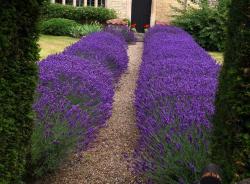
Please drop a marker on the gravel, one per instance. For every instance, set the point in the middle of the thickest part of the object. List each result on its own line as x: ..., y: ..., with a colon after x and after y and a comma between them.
x: 107, y: 159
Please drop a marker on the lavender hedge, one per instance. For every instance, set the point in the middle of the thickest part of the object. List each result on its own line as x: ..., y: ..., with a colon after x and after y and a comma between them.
x: 121, y: 31
x: 74, y: 98
x: 104, y: 48
x: 174, y: 104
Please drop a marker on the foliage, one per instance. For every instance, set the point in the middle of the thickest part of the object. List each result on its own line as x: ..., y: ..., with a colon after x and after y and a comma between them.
x: 104, y: 48
x: 231, y: 136
x: 206, y: 24
x: 122, y: 31
x: 174, y: 104
x: 83, y: 30
x: 81, y: 15
x: 66, y: 27
x: 73, y: 99
x: 18, y: 52
x: 58, y: 26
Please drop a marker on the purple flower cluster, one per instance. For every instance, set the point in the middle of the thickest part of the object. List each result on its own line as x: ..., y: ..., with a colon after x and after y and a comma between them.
x: 104, y: 48
x: 75, y: 91
x: 122, y: 31
x: 174, y: 104
x: 74, y: 97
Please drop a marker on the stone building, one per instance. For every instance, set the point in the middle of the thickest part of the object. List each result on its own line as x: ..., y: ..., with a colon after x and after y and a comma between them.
x: 158, y: 10
x: 140, y: 12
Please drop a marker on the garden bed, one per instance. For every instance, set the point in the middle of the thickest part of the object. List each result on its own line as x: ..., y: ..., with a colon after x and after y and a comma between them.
x: 174, y: 104
x: 74, y: 98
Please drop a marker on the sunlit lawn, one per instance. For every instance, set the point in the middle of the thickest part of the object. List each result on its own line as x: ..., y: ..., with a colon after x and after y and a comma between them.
x: 53, y: 44
x: 218, y: 56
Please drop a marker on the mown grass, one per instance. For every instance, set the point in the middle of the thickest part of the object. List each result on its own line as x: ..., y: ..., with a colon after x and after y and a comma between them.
x: 53, y: 44
x: 218, y: 56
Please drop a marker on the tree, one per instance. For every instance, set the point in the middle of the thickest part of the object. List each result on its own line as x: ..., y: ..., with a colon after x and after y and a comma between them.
x: 231, y: 135
x: 18, y: 76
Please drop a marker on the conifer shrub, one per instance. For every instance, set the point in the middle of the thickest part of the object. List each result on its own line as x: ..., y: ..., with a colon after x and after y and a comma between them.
x: 231, y: 135
x: 18, y: 76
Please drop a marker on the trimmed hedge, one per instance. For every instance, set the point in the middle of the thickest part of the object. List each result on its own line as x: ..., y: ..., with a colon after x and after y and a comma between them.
x: 67, y: 27
x: 104, y: 48
x: 18, y: 76
x: 74, y: 98
x: 57, y: 26
x: 121, y: 31
x: 174, y: 104
x: 231, y: 136
x: 79, y: 14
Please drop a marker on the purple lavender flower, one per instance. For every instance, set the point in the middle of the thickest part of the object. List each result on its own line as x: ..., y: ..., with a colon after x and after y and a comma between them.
x: 122, y: 31
x: 75, y: 91
x: 174, y: 104
x: 102, y: 48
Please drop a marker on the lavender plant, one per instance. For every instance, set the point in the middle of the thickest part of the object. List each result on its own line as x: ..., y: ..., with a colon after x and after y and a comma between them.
x: 174, y: 104
x: 73, y: 99
x: 122, y: 31
x: 103, y: 48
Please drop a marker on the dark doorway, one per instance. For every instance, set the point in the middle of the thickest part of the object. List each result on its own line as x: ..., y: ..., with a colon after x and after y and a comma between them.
x: 141, y: 11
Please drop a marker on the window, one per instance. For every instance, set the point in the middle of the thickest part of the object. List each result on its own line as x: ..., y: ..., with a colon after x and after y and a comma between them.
x: 91, y: 2
x: 101, y: 3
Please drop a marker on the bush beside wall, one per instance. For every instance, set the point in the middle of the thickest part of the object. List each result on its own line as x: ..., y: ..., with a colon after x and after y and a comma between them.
x: 18, y: 76
x: 231, y: 136
x: 206, y: 24
x: 79, y: 14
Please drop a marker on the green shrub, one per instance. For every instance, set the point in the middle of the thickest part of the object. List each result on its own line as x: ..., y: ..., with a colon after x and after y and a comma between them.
x: 206, y: 25
x: 66, y: 27
x: 18, y: 76
x: 81, y: 15
x: 58, y: 26
x: 231, y: 136
x: 83, y: 30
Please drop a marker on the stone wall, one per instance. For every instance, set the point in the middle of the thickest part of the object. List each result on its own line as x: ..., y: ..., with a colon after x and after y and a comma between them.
x: 120, y: 6
x: 163, y: 10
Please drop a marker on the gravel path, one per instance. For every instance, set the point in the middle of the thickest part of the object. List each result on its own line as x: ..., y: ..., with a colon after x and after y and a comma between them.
x: 104, y: 162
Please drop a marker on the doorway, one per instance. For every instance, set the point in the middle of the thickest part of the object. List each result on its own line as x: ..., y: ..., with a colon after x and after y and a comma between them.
x: 141, y: 12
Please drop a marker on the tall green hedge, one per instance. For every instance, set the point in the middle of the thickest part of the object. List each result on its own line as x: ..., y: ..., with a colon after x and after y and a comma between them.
x: 231, y: 136
x: 18, y: 76
x: 79, y: 14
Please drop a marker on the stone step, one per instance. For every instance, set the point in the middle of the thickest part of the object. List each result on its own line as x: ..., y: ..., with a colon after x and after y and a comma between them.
x: 139, y: 37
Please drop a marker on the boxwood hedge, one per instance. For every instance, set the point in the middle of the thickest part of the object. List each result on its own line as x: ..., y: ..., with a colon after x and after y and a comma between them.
x: 18, y: 53
x: 231, y: 136
x: 79, y: 14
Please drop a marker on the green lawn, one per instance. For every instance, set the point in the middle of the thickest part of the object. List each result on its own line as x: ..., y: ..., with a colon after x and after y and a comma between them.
x: 218, y: 56
x: 53, y: 44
